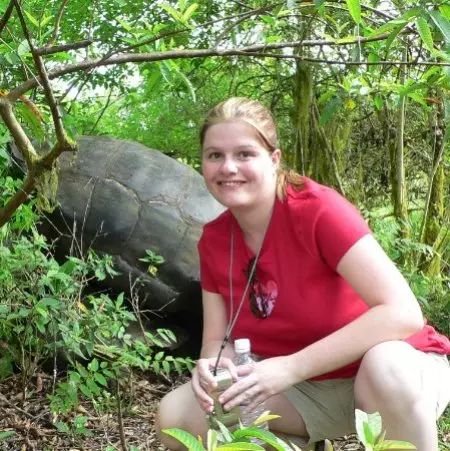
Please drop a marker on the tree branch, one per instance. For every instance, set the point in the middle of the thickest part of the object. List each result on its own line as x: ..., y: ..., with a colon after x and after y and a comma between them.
x: 6, y: 16
x: 49, y: 50
x: 20, y: 138
x: 183, y: 54
x: 346, y: 63
x: 57, y: 120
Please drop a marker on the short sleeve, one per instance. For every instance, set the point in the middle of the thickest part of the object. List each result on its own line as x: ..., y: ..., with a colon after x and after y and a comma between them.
x: 331, y: 225
x: 206, y: 278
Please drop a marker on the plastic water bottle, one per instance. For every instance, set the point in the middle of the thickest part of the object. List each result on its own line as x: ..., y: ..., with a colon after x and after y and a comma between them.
x: 244, y: 357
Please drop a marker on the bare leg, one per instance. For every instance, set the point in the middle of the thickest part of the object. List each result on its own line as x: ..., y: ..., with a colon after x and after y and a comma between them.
x: 403, y: 385
x: 179, y: 409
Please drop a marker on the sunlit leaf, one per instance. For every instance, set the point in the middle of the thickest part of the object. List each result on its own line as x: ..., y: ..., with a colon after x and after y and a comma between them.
x: 354, y: 7
x: 188, y: 440
x: 32, y: 19
x: 442, y: 23
x: 425, y: 33
x: 191, y: 10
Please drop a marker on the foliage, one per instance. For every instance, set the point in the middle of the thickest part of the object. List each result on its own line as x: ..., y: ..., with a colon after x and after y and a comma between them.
x: 46, y: 317
x: 371, y: 434
x: 242, y: 437
x: 368, y: 428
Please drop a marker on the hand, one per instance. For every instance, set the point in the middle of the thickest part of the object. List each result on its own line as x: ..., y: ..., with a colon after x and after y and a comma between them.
x: 203, y: 382
x: 258, y: 382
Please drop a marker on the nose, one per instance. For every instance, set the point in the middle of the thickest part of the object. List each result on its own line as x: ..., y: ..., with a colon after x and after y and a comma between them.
x: 229, y: 166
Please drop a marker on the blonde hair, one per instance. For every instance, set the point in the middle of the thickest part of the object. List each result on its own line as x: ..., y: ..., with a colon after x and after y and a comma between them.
x: 260, y: 118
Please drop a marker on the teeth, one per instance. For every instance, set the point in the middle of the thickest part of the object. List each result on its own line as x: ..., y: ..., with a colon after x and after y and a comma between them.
x: 230, y: 183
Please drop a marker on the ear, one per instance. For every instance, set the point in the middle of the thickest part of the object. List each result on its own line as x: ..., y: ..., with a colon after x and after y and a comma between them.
x: 276, y: 157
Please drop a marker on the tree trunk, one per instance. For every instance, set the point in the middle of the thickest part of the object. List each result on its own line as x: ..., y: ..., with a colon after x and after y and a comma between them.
x: 398, y: 184
x: 434, y: 204
x: 302, y: 117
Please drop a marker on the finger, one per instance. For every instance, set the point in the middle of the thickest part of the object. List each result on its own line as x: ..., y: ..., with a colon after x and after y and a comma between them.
x: 245, y: 370
x: 205, y: 374
x: 240, y: 393
x: 201, y: 395
x: 231, y: 367
x: 256, y: 401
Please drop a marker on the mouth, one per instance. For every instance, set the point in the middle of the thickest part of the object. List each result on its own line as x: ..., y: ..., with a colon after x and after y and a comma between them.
x: 230, y: 183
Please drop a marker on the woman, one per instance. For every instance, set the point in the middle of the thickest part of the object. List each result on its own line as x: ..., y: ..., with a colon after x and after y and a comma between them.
x: 293, y: 266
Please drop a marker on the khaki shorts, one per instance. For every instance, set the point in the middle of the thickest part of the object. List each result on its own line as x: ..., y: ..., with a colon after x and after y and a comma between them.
x: 328, y: 407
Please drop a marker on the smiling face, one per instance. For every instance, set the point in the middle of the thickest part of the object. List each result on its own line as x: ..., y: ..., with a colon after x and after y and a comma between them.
x: 238, y: 169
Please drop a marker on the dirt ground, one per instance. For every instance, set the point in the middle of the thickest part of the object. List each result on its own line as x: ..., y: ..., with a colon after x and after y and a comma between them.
x: 28, y: 425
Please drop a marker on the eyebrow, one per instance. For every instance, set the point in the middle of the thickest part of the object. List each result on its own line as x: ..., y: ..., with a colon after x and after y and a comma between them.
x: 240, y: 147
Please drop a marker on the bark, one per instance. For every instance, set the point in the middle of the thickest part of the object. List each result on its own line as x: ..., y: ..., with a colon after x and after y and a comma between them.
x: 398, y: 184
x: 434, y: 204
x: 302, y: 117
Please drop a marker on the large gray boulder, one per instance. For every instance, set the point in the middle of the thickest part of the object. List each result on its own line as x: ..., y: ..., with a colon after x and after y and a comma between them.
x: 122, y: 198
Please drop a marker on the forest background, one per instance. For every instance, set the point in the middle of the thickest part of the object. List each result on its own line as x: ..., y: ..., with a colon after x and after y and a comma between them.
x: 360, y: 90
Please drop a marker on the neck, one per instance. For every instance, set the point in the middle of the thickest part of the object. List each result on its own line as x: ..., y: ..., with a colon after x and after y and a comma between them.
x: 254, y: 222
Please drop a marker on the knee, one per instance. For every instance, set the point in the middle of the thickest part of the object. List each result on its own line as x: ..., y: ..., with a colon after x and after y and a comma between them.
x: 384, y: 378
x: 179, y: 409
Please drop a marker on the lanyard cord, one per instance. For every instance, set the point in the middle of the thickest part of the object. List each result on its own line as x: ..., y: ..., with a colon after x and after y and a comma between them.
x: 233, y: 319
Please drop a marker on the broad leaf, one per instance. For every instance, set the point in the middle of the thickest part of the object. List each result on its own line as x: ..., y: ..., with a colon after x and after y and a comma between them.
x: 266, y: 436
x: 191, y: 10
x: 188, y: 440
x: 368, y: 426
x: 425, y: 33
x: 243, y: 446
x: 445, y: 11
x: 442, y: 23
x: 354, y: 7
x: 395, y: 444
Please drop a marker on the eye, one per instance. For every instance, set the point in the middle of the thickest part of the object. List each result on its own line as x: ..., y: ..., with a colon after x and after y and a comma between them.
x: 245, y: 154
x: 214, y: 155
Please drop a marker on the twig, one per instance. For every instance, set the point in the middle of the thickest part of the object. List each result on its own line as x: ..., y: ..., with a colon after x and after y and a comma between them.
x: 58, y: 22
x: 102, y: 112
x: 10, y: 404
x: 6, y: 16
x: 123, y: 442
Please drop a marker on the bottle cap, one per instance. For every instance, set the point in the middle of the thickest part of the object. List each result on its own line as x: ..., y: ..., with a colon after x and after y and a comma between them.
x: 242, y: 345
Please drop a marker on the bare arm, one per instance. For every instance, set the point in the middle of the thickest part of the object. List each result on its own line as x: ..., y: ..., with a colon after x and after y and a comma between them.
x: 214, y: 326
x: 393, y: 313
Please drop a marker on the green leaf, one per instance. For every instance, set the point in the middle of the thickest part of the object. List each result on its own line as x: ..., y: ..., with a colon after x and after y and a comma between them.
x: 330, y: 110
x: 93, y: 387
x: 267, y: 436
x: 48, y: 302
x: 264, y: 417
x: 100, y: 379
x: 32, y: 19
x: 62, y: 427
x: 395, y: 444
x: 188, y: 440
x: 445, y: 11
x: 368, y: 426
x: 6, y: 434
x: 45, y: 21
x: 86, y: 392
x: 188, y: 13
x: 425, y: 33
x: 93, y: 366
x: 172, y: 12
x: 442, y: 23
x: 243, y: 446
x: 211, y: 439
x: 318, y: 3
x: 354, y: 7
